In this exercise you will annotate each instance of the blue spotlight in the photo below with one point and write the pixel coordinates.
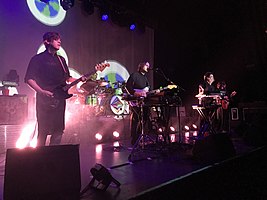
(132, 26)
(104, 17)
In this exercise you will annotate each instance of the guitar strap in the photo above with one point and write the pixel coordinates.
(147, 82)
(62, 64)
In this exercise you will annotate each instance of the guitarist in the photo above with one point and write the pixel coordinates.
(138, 85)
(45, 72)
(223, 111)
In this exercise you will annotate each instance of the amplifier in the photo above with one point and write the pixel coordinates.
(14, 109)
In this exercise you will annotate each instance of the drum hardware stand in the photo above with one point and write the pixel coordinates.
(141, 139)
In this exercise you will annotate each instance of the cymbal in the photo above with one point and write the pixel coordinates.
(102, 83)
(119, 84)
(89, 86)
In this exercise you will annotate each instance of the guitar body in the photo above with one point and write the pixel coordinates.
(61, 92)
(225, 104)
(226, 100)
(48, 103)
(53, 102)
(157, 94)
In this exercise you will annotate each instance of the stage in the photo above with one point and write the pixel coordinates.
(150, 170)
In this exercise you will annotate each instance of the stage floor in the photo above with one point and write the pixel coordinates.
(137, 168)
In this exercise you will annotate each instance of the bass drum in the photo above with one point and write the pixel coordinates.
(119, 106)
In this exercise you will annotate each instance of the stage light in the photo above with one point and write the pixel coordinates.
(172, 129)
(186, 128)
(103, 178)
(104, 12)
(195, 133)
(160, 138)
(104, 17)
(27, 135)
(132, 26)
(187, 134)
(67, 4)
(98, 149)
(172, 137)
(116, 134)
(194, 126)
(160, 130)
(116, 144)
(98, 136)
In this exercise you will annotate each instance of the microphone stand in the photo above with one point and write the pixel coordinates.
(178, 117)
(160, 72)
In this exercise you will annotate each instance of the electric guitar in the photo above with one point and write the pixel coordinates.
(226, 101)
(141, 93)
(61, 92)
(147, 93)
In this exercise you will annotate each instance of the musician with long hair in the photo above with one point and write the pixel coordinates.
(138, 86)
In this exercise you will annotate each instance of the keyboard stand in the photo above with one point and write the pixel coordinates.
(207, 125)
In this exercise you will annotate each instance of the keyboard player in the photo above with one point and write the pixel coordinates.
(206, 88)
(208, 99)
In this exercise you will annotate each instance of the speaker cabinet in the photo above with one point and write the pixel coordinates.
(213, 148)
(254, 126)
(49, 172)
(14, 109)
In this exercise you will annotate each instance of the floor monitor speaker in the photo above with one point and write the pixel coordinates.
(213, 148)
(48, 172)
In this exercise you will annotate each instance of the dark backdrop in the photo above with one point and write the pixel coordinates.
(184, 39)
(226, 37)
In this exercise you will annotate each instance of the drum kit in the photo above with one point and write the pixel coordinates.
(103, 97)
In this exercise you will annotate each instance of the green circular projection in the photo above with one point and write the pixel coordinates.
(50, 13)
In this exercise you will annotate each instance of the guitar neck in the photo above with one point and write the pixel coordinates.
(68, 86)
(158, 90)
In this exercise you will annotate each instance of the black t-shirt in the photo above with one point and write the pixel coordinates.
(136, 81)
(47, 70)
(209, 88)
